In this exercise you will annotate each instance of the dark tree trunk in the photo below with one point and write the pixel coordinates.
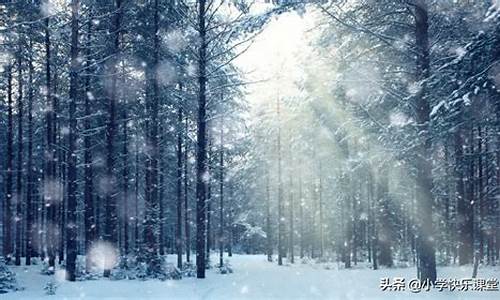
(50, 180)
(71, 230)
(161, 191)
(125, 183)
(30, 193)
(111, 218)
(425, 244)
(230, 222)
(20, 170)
(88, 192)
(209, 200)
(7, 218)
(385, 234)
(61, 139)
(480, 188)
(221, 196)
(291, 223)
(136, 197)
(187, 230)
(178, 232)
(496, 232)
(201, 149)
(464, 208)
(151, 205)
(373, 237)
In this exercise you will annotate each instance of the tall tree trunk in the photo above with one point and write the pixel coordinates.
(470, 192)
(425, 244)
(201, 151)
(320, 206)
(301, 217)
(385, 234)
(50, 180)
(496, 232)
(151, 205)
(71, 231)
(161, 190)
(464, 209)
(111, 225)
(291, 223)
(178, 232)
(221, 196)
(20, 169)
(209, 199)
(187, 229)
(30, 193)
(125, 178)
(136, 196)
(373, 221)
(230, 222)
(480, 188)
(7, 218)
(281, 217)
(269, 233)
(88, 190)
(61, 139)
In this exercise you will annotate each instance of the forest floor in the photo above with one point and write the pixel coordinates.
(254, 278)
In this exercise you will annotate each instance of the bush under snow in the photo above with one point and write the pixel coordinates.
(8, 282)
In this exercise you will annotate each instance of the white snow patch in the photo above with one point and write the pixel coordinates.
(255, 278)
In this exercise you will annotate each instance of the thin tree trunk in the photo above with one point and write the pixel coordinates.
(50, 180)
(269, 234)
(281, 217)
(291, 223)
(209, 200)
(178, 233)
(125, 181)
(230, 222)
(201, 154)
(161, 190)
(301, 217)
(7, 225)
(136, 197)
(464, 209)
(30, 208)
(20, 169)
(221, 196)
(373, 222)
(71, 231)
(187, 230)
(320, 202)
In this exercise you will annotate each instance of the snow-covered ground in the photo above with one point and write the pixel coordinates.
(253, 278)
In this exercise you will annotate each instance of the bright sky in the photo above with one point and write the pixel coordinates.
(273, 57)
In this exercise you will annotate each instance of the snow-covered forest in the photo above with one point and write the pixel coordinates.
(250, 149)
